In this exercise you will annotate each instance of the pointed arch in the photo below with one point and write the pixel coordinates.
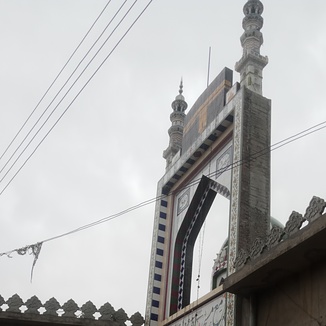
(186, 238)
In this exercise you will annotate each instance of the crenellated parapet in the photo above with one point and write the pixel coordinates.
(277, 235)
(68, 313)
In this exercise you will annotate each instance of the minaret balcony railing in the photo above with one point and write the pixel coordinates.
(257, 58)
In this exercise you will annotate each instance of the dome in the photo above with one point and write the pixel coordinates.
(180, 97)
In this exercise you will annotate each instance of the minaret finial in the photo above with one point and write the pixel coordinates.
(252, 63)
(181, 87)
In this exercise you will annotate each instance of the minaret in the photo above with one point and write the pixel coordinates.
(177, 117)
(252, 63)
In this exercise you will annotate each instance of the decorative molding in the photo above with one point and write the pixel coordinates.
(294, 223)
(120, 317)
(136, 319)
(106, 311)
(223, 162)
(230, 309)
(88, 310)
(51, 307)
(69, 309)
(237, 142)
(2, 301)
(183, 201)
(234, 211)
(257, 248)
(33, 304)
(274, 237)
(14, 303)
(315, 209)
(277, 234)
(241, 259)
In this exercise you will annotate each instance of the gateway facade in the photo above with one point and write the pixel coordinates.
(220, 147)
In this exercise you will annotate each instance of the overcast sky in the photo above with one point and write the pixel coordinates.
(105, 154)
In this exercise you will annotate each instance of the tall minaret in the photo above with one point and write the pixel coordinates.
(179, 106)
(252, 63)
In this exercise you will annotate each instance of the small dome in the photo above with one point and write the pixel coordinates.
(253, 7)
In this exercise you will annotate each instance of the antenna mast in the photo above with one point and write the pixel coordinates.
(209, 64)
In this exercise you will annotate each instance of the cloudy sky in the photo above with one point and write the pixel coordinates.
(105, 154)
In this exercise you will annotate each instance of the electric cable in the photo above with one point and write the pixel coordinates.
(264, 151)
(200, 255)
(55, 79)
(163, 196)
(60, 92)
(80, 91)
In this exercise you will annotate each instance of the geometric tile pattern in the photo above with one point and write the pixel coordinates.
(222, 190)
(212, 185)
(156, 268)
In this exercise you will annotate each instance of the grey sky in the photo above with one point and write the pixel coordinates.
(105, 155)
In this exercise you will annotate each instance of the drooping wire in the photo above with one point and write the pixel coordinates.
(46, 120)
(73, 100)
(200, 255)
(219, 172)
(55, 79)
(163, 196)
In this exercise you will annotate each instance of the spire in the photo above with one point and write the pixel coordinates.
(179, 106)
(252, 63)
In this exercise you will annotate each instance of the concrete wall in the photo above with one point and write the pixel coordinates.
(297, 301)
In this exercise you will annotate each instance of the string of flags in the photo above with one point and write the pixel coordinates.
(33, 249)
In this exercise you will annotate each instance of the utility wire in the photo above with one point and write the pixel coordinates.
(80, 91)
(46, 120)
(155, 199)
(264, 151)
(58, 75)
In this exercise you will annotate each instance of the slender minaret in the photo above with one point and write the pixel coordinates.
(179, 106)
(252, 63)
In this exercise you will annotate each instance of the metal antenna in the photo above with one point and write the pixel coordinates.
(209, 64)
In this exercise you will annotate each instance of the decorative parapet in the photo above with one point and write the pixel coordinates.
(293, 225)
(2, 302)
(34, 308)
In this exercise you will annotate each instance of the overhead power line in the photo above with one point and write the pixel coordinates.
(55, 108)
(79, 92)
(64, 96)
(55, 79)
(231, 166)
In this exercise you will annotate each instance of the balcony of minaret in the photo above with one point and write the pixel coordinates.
(252, 21)
(251, 41)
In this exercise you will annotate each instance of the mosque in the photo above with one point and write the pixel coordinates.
(264, 273)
